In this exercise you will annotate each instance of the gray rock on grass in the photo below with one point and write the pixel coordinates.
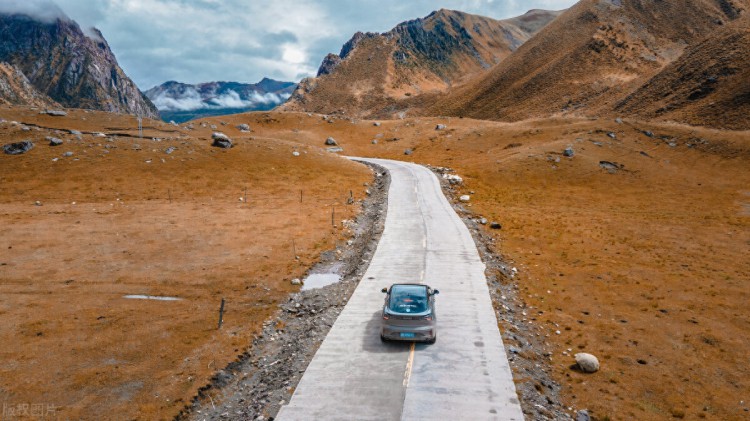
(18, 148)
(221, 140)
(587, 362)
(53, 141)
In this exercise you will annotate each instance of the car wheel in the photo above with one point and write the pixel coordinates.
(433, 340)
(383, 339)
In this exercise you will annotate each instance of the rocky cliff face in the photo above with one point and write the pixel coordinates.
(15, 89)
(181, 102)
(387, 74)
(72, 69)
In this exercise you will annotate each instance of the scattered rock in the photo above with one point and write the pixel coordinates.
(465, 198)
(496, 226)
(408, 152)
(483, 221)
(68, 153)
(612, 135)
(295, 153)
(18, 148)
(75, 132)
(296, 281)
(221, 140)
(37, 203)
(649, 133)
(441, 127)
(55, 113)
(618, 120)
(331, 142)
(453, 179)
(587, 362)
(583, 415)
(335, 149)
(569, 152)
(244, 127)
(213, 127)
(53, 141)
(376, 124)
(612, 167)
(169, 150)
(172, 122)
(374, 141)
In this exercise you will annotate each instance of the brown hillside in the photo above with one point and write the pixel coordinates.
(707, 86)
(590, 58)
(380, 74)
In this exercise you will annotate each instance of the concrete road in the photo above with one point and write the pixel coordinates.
(464, 376)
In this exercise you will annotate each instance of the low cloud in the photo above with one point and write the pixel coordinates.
(43, 10)
(190, 100)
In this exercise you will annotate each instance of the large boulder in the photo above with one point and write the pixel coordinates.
(18, 148)
(587, 362)
(221, 140)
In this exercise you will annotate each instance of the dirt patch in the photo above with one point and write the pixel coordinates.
(264, 378)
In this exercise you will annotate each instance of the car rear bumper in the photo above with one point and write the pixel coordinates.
(420, 333)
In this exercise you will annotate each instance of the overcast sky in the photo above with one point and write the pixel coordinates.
(196, 41)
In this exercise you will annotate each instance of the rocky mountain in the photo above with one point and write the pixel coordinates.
(73, 69)
(182, 102)
(384, 74)
(647, 58)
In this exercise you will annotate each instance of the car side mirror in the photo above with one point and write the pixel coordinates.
(384, 290)
(435, 292)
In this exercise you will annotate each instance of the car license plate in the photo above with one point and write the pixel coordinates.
(407, 335)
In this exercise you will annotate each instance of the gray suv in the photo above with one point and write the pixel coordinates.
(409, 313)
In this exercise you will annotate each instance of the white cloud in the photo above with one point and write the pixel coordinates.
(190, 100)
(44, 10)
(196, 41)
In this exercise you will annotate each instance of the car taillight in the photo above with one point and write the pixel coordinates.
(385, 316)
(428, 317)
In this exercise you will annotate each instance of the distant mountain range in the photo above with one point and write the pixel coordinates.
(51, 62)
(181, 102)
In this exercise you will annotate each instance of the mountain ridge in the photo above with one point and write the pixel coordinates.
(382, 74)
(73, 69)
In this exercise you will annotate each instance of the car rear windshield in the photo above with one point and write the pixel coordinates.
(408, 299)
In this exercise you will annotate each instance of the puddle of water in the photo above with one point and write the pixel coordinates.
(151, 297)
(319, 280)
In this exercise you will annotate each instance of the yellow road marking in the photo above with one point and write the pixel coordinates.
(409, 366)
